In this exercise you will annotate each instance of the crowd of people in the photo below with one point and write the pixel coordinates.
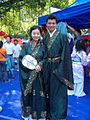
(9, 55)
(57, 73)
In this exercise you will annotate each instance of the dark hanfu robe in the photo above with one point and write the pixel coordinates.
(33, 103)
(59, 60)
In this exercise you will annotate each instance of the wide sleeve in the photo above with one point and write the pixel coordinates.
(22, 54)
(23, 71)
(64, 69)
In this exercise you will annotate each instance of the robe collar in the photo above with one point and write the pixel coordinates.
(51, 33)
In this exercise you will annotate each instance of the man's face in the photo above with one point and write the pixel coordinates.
(8, 39)
(15, 42)
(51, 24)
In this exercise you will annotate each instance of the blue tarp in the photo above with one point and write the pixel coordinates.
(77, 15)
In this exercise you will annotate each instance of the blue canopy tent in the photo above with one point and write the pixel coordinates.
(77, 15)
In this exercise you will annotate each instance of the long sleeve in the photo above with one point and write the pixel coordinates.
(83, 57)
(65, 67)
(88, 58)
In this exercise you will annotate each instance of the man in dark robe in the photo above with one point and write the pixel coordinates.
(58, 71)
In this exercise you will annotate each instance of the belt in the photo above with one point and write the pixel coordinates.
(76, 61)
(54, 59)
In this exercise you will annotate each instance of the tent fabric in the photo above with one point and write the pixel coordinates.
(78, 2)
(77, 15)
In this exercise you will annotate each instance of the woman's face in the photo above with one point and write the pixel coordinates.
(35, 34)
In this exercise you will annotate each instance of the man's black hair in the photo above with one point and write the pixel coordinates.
(15, 40)
(51, 17)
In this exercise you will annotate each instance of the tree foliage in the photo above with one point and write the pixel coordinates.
(61, 3)
(16, 16)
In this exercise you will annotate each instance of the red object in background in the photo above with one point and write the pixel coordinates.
(2, 33)
(19, 40)
(87, 45)
(84, 36)
(5, 36)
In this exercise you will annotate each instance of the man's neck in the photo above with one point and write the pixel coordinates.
(51, 32)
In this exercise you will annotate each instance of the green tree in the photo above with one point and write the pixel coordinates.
(17, 16)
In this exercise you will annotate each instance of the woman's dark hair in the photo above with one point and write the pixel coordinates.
(80, 45)
(33, 28)
(51, 17)
(1, 44)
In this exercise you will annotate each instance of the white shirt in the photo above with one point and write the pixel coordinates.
(51, 33)
(9, 48)
(17, 49)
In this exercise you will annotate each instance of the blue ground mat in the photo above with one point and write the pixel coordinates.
(10, 99)
(78, 108)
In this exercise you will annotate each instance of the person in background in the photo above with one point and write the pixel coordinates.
(3, 71)
(9, 49)
(33, 98)
(87, 44)
(79, 59)
(76, 32)
(87, 68)
(16, 52)
(71, 42)
(57, 70)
